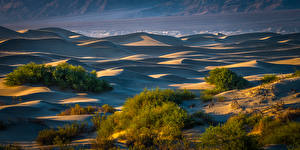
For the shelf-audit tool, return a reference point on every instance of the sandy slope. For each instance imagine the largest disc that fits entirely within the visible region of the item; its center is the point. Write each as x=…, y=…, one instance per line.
x=131, y=63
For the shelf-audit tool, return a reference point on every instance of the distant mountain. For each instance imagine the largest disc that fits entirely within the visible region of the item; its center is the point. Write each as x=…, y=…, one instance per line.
x=16, y=10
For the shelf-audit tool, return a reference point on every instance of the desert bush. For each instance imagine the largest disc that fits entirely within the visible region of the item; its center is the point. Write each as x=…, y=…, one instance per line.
x=229, y=136
x=224, y=79
x=63, y=75
x=61, y=135
x=289, y=114
x=97, y=119
x=208, y=95
x=108, y=109
x=78, y=110
x=269, y=78
x=296, y=73
x=198, y=118
x=278, y=132
x=147, y=118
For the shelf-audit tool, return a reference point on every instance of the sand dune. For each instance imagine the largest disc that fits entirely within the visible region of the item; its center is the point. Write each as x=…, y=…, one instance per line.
x=131, y=63
x=144, y=39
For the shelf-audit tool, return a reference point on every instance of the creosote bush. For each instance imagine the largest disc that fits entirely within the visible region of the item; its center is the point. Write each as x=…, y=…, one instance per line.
x=78, y=110
x=61, y=135
x=269, y=78
x=224, y=80
x=149, y=119
x=63, y=75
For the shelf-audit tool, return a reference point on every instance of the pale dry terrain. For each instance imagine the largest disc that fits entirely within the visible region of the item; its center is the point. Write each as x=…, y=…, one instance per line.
x=136, y=61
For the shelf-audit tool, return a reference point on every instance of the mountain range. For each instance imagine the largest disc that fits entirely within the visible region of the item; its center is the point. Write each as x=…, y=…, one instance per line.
x=20, y=10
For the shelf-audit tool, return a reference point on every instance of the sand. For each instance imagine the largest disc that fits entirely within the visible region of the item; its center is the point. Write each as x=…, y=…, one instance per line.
x=131, y=63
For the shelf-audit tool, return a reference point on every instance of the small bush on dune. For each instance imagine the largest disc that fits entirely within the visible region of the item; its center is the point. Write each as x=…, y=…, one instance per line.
x=232, y=135
x=208, y=95
x=62, y=135
x=108, y=109
x=78, y=110
x=224, y=80
x=269, y=78
x=63, y=75
x=148, y=118
x=296, y=73
x=277, y=132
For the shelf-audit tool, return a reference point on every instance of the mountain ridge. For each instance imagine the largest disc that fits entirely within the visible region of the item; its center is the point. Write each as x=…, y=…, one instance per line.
x=19, y=10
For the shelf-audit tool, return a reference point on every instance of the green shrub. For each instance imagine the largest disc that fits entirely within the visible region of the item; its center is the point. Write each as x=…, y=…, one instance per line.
x=198, y=118
x=148, y=118
x=296, y=73
x=78, y=110
x=230, y=136
x=269, y=78
x=62, y=135
x=63, y=75
x=208, y=95
x=276, y=132
x=108, y=109
x=224, y=80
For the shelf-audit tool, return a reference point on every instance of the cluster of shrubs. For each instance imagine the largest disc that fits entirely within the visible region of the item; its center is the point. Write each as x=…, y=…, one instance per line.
x=61, y=135
x=78, y=110
x=149, y=119
x=63, y=75
x=251, y=131
x=224, y=80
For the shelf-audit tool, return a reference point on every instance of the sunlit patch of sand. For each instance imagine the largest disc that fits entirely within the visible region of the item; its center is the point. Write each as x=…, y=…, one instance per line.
x=78, y=99
x=176, y=55
x=218, y=47
x=22, y=31
x=2, y=41
x=20, y=90
x=184, y=39
x=74, y=36
x=223, y=37
x=265, y=38
x=109, y=72
x=193, y=86
x=135, y=57
x=30, y=103
x=284, y=41
x=147, y=41
x=252, y=63
x=57, y=62
x=118, y=134
x=293, y=61
x=66, y=118
x=89, y=42
x=172, y=62
x=157, y=75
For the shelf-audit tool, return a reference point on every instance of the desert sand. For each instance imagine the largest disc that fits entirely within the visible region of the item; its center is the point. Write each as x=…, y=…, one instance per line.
x=131, y=63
